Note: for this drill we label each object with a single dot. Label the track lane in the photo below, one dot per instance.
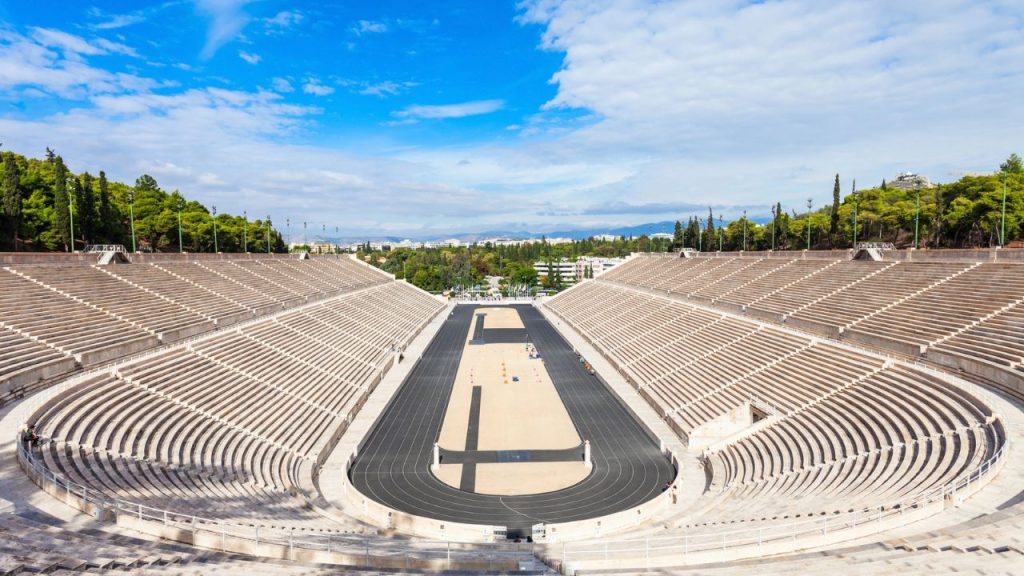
(393, 467)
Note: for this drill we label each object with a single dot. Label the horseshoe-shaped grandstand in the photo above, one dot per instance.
(806, 409)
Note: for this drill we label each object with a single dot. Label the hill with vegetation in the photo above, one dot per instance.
(46, 207)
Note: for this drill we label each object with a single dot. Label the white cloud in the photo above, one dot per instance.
(70, 44)
(748, 99)
(369, 27)
(31, 63)
(660, 107)
(314, 87)
(282, 85)
(227, 19)
(282, 21)
(115, 47)
(118, 21)
(249, 57)
(461, 110)
(386, 88)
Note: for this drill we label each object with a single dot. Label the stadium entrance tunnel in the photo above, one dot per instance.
(394, 466)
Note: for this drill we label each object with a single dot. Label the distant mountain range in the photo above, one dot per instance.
(666, 226)
(578, 234)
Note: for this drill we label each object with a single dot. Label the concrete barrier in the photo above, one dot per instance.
(879, 342)
(813, 326)
(1005, 377)
(101, 355)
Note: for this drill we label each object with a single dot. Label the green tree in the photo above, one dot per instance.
(88, 216)
(11, 209)
(108, 228)
(1012, 165)
(833, 225)
(62, 204)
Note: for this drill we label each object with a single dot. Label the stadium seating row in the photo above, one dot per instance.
(231, 426)
(54, 319)
(848, 430)
(973, 309)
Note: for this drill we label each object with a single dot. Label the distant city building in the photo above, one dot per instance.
(572, 271)
(597, 265)
(910, 181)
(565, 268)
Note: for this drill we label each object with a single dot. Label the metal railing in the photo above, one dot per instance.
(270, 541)
(876, 246)
(105, 248)
(676, 548)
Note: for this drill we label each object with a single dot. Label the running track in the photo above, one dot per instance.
(393, 466)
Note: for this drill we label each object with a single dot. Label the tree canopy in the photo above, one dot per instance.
(44, 204)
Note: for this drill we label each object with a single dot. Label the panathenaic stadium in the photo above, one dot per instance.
(725, 413)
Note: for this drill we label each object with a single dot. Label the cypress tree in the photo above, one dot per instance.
(61, 201)
(87, 208)
(11, 199)
(106, 227)
(710, 229)
(833, 225)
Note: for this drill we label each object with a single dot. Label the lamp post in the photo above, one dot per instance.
(215, 247)
(721, 236)
(245, 232)
(917, 213)
(856, 201)
(288, 226)
(1002, 225)
(131, 212)
(774, 218)
(181, 205)
(744, 230)
(810, 204)
(268, 233)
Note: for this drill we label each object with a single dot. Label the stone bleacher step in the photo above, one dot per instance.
(725, 278)
(81, 301)
(899, 301)
(206, 288)
(977, 321)
(840, 289)
(758, 370)
(786, 286)
(154, 293)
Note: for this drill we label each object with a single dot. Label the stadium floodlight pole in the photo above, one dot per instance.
(288, 226)
(305, 235)
(917, 213)
(1002, 225)
(774, 218)
(721, 230)
(181, 205)
(245, 232)
(744, 230)
(810, 204)
(131, 212)
(268, 233)
(215, 247)
(856, 201)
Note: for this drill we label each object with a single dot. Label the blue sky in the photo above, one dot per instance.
(430, 118)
